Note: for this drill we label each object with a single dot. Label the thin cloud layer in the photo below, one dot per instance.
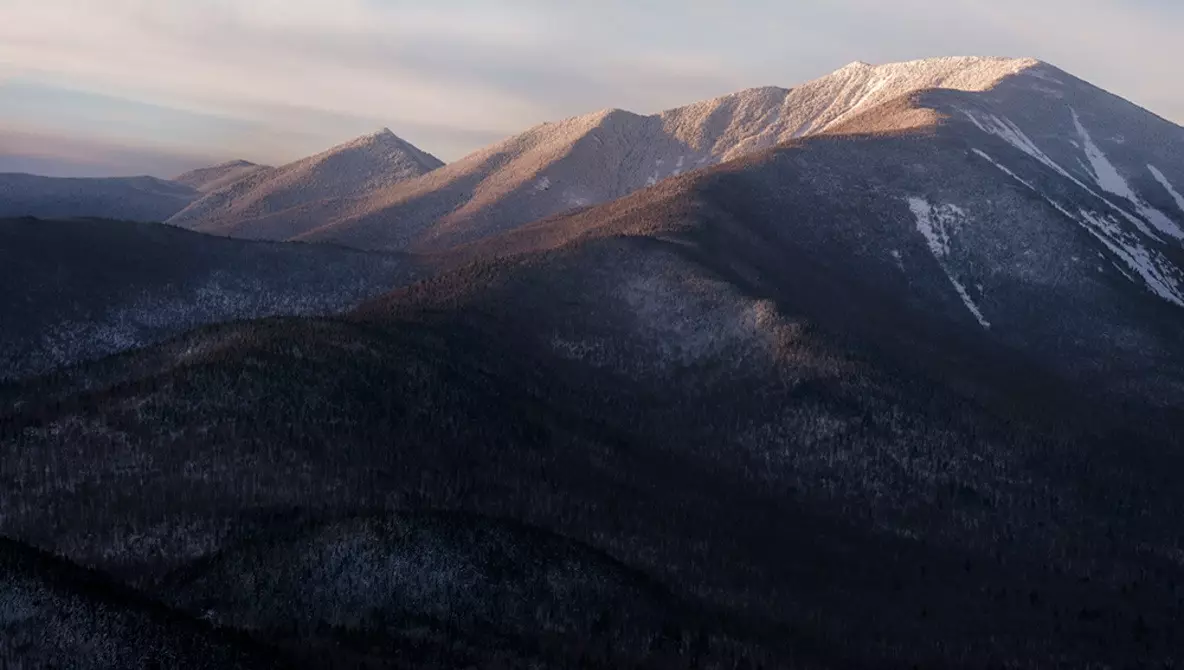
(453, 75)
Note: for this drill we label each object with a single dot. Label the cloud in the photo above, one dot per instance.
(219, 56)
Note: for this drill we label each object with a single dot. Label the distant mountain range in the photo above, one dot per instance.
(123, 198)
(886, 370)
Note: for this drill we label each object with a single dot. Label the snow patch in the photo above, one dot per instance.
(1010, 132)
(1108, 177)
(574, 200)
(1006, 129)
(1155, 271)
(1105, 173)
(937, 225)
(1167, 185)
(1150, 266)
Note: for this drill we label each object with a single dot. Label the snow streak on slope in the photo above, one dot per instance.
(1007, 130)
(1163, 180)
(1167, 185)
(938, 224)
(1110, 180)
(1159, 276)
(1004, 128)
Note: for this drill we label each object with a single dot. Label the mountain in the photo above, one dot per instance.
(283, 202)
(905, 393)
(596, 158)
(123, 198)
(59, 615)
(90, 288)
(205, 180)
(459, 585)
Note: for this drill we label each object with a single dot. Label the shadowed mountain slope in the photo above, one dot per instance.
(57, 615)
(84, 289)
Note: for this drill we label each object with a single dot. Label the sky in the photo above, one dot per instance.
(110, 87)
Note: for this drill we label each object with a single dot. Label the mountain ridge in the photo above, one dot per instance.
(352, 168)
(531, 176)
(218, 176)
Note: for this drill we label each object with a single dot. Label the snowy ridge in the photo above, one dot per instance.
(359, 166)
(606, 155)
(205, 180)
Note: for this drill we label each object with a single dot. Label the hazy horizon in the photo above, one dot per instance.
(271, 81)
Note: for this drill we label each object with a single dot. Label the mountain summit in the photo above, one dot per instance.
(576, 162)
(249, 207)
(602, 156)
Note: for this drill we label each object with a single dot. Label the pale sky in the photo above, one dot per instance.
(102, 87)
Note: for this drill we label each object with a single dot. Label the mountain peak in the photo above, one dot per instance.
(381, 136)
(360, 166)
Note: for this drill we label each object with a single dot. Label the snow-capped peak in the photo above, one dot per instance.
(856, 65)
